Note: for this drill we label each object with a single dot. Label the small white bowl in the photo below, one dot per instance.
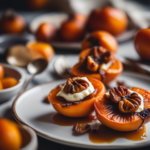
(11, 71)
(29, 138)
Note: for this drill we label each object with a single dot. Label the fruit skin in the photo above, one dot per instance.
(80, 110)
(40, 50)
(1, 71)
(10, 135)
(109, 115)
(142, 44)
(1, 85)
(12, 23)
(46, 32)
(73, 29)
(9, 82)
(104, 39)
(109, 19)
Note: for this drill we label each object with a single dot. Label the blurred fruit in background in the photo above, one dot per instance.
(40, 50)
(73, 29)
(142, 43)
(46, 32)
(11, 22)
(109, 19)
(1, 71)
(8, 82)
(10, 136)
(1, 85)
(100, 38)
(36, 4)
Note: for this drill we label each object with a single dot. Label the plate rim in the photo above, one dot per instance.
(64, 142)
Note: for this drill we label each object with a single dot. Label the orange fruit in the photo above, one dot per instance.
(10, 136)
(1, 71)
(9, 82)
(40, 49)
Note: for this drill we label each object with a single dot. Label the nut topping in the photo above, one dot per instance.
(127, 101)
(81, 128)
(75, 85)
(91, 64)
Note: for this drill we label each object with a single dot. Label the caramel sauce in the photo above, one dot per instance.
(67, 121)
(106, 135)
(103, 134)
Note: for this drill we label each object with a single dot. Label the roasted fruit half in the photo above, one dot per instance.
(99, 63)
(124, 109)
(76, 97)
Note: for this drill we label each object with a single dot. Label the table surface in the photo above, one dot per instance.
(125, 49)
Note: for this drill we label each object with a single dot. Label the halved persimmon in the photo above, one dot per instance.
(81, 109)
(110, 74)
(108, 113)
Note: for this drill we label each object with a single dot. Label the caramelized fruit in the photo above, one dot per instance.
(100, 38)
(9, 82)
(76, 109)
(142, 44)
(81, 69)
(108, 113)
(109, 19)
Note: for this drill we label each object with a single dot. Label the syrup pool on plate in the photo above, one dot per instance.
(106, 135)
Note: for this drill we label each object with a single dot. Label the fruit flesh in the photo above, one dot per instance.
(109, 114)
(9, 82)
(82, 109)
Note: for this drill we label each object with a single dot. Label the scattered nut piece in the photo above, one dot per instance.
(81, 128)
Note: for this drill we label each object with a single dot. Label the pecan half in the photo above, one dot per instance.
(91, 64)
(127, 101)
(75, 85)
(81, 128)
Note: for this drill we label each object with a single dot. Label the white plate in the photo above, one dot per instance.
(30, 110)
(57, 18)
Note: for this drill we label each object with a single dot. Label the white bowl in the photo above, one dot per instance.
(11, 71)
(29, 138)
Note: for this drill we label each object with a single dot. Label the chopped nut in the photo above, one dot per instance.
(91, 64)
(128, 102)
(81, 128)
(75, 85)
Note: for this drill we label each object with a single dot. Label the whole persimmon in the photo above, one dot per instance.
(73, 29)
(1, 71)
(9, 82)
(109, 19)
(10, 136)
(46, 32)
(40, 49)
(12, 23)
(142, 44)
(100, 38)
(1, 85)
